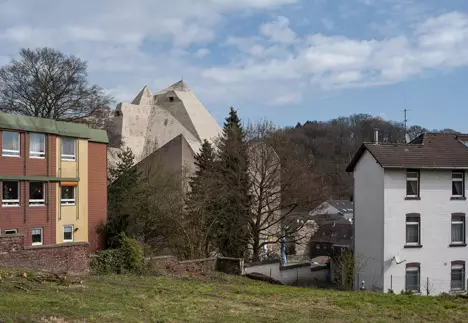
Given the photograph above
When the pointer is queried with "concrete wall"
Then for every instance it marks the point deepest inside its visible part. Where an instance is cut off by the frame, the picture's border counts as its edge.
(299, 274)
(435, 208)
(369, 220)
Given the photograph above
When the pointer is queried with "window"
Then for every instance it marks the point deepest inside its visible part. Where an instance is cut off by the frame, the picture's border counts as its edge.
(11, 231)
(68, 195)
(458, 183)
(457, 281)
(412, 183)
(68, 233)
(36, 193)
(413, 230)
(11, 144)
(36, 145)
(68, 149)
(458, 229)
(413, 277)
(10, 195)
(36, 236)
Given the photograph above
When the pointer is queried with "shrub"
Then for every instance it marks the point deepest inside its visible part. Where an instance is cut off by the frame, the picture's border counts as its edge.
(131, 252)
(107, 262)
(127, 258)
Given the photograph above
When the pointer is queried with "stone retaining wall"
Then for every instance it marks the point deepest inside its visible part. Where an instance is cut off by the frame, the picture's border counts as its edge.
(63, 258)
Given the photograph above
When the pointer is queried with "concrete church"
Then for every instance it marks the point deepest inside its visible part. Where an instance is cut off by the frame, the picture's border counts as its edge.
(165, 129)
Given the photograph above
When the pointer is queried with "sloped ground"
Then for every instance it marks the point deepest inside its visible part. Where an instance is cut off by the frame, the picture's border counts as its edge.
(215, 298)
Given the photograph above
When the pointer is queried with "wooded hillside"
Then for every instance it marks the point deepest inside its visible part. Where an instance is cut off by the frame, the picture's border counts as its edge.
(330, 145)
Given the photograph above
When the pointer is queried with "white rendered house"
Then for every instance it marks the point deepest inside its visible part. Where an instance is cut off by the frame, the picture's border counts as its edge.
(410, 214)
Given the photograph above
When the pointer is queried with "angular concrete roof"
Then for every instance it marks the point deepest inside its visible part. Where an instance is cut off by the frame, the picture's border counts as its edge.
(145, 97)
(192, 114)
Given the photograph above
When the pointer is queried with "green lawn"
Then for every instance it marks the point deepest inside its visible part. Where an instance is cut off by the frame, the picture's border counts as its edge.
(218, 298)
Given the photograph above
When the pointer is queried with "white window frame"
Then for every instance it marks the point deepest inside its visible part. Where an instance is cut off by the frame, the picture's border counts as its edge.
(37, 202)
(37, 154)
(413, 179)
(463, 228)
(72, 233)
(413, 220)
(13, 231)
(15, 202)
(462, 180)
(66, 157)
(68, 201)
(458, 267)
(42, 237)
(11, 152)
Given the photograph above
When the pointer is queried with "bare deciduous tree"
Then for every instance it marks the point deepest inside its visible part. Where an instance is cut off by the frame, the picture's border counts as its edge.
(49, 84)
(281, 182)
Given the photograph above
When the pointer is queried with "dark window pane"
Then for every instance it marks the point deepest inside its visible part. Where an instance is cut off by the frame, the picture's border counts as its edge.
(457, 188)
(36, 191)
(458, 279)
(68, 192)
(10, 190)
(412, 233)
(411, 188)
(412, 280)
(68, 233)
(36, 236)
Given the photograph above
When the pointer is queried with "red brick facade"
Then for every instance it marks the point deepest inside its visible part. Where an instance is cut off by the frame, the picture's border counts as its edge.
(25, 218)
(97, 193)
(25, 166)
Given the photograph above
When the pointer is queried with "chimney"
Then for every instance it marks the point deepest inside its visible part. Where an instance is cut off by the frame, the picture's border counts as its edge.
(376, 136)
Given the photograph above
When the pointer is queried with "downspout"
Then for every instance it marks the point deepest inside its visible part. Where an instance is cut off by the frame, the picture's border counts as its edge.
(77, 194)
(24, 173)
(47, 149)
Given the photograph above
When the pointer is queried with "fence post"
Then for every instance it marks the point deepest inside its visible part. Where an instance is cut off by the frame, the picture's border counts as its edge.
(427, 286)
(297, 276)
(358, 282)
(391, 282)
(270, 272)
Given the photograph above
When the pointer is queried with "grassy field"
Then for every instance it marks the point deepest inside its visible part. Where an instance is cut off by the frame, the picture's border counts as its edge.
(218, 298)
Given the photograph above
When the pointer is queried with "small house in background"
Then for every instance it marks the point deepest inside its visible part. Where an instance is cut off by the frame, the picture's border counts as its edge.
(345, 208)
(333, 231)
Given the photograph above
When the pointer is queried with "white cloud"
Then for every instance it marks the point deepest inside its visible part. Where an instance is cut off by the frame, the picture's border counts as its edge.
(336, 61)
(202, 52)
(279, 31)
(156, 42)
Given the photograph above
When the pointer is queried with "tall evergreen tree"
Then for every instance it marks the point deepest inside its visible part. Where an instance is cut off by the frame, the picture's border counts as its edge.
(126, 180)
(233, 190)
(200, 202)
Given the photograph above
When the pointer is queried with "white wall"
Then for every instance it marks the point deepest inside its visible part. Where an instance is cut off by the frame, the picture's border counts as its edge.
(290, 275)
(435, 208)
(369, 220)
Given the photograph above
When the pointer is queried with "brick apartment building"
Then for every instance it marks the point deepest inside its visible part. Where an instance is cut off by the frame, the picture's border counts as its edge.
(52, 180)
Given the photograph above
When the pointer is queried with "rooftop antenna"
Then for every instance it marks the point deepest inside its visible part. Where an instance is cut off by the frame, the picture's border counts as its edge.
(407, 138)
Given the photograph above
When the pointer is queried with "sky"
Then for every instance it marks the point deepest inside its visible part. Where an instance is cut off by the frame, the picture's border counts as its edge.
(287, 61)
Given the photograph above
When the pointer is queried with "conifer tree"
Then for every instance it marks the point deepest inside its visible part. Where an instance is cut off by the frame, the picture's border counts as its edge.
(126, 180)
(200, 202)
(232, 207)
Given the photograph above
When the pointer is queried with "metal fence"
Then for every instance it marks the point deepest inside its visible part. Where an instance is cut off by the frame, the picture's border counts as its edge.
(456, 283)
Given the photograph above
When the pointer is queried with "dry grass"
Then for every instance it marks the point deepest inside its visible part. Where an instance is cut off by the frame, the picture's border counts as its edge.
(217, 298)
